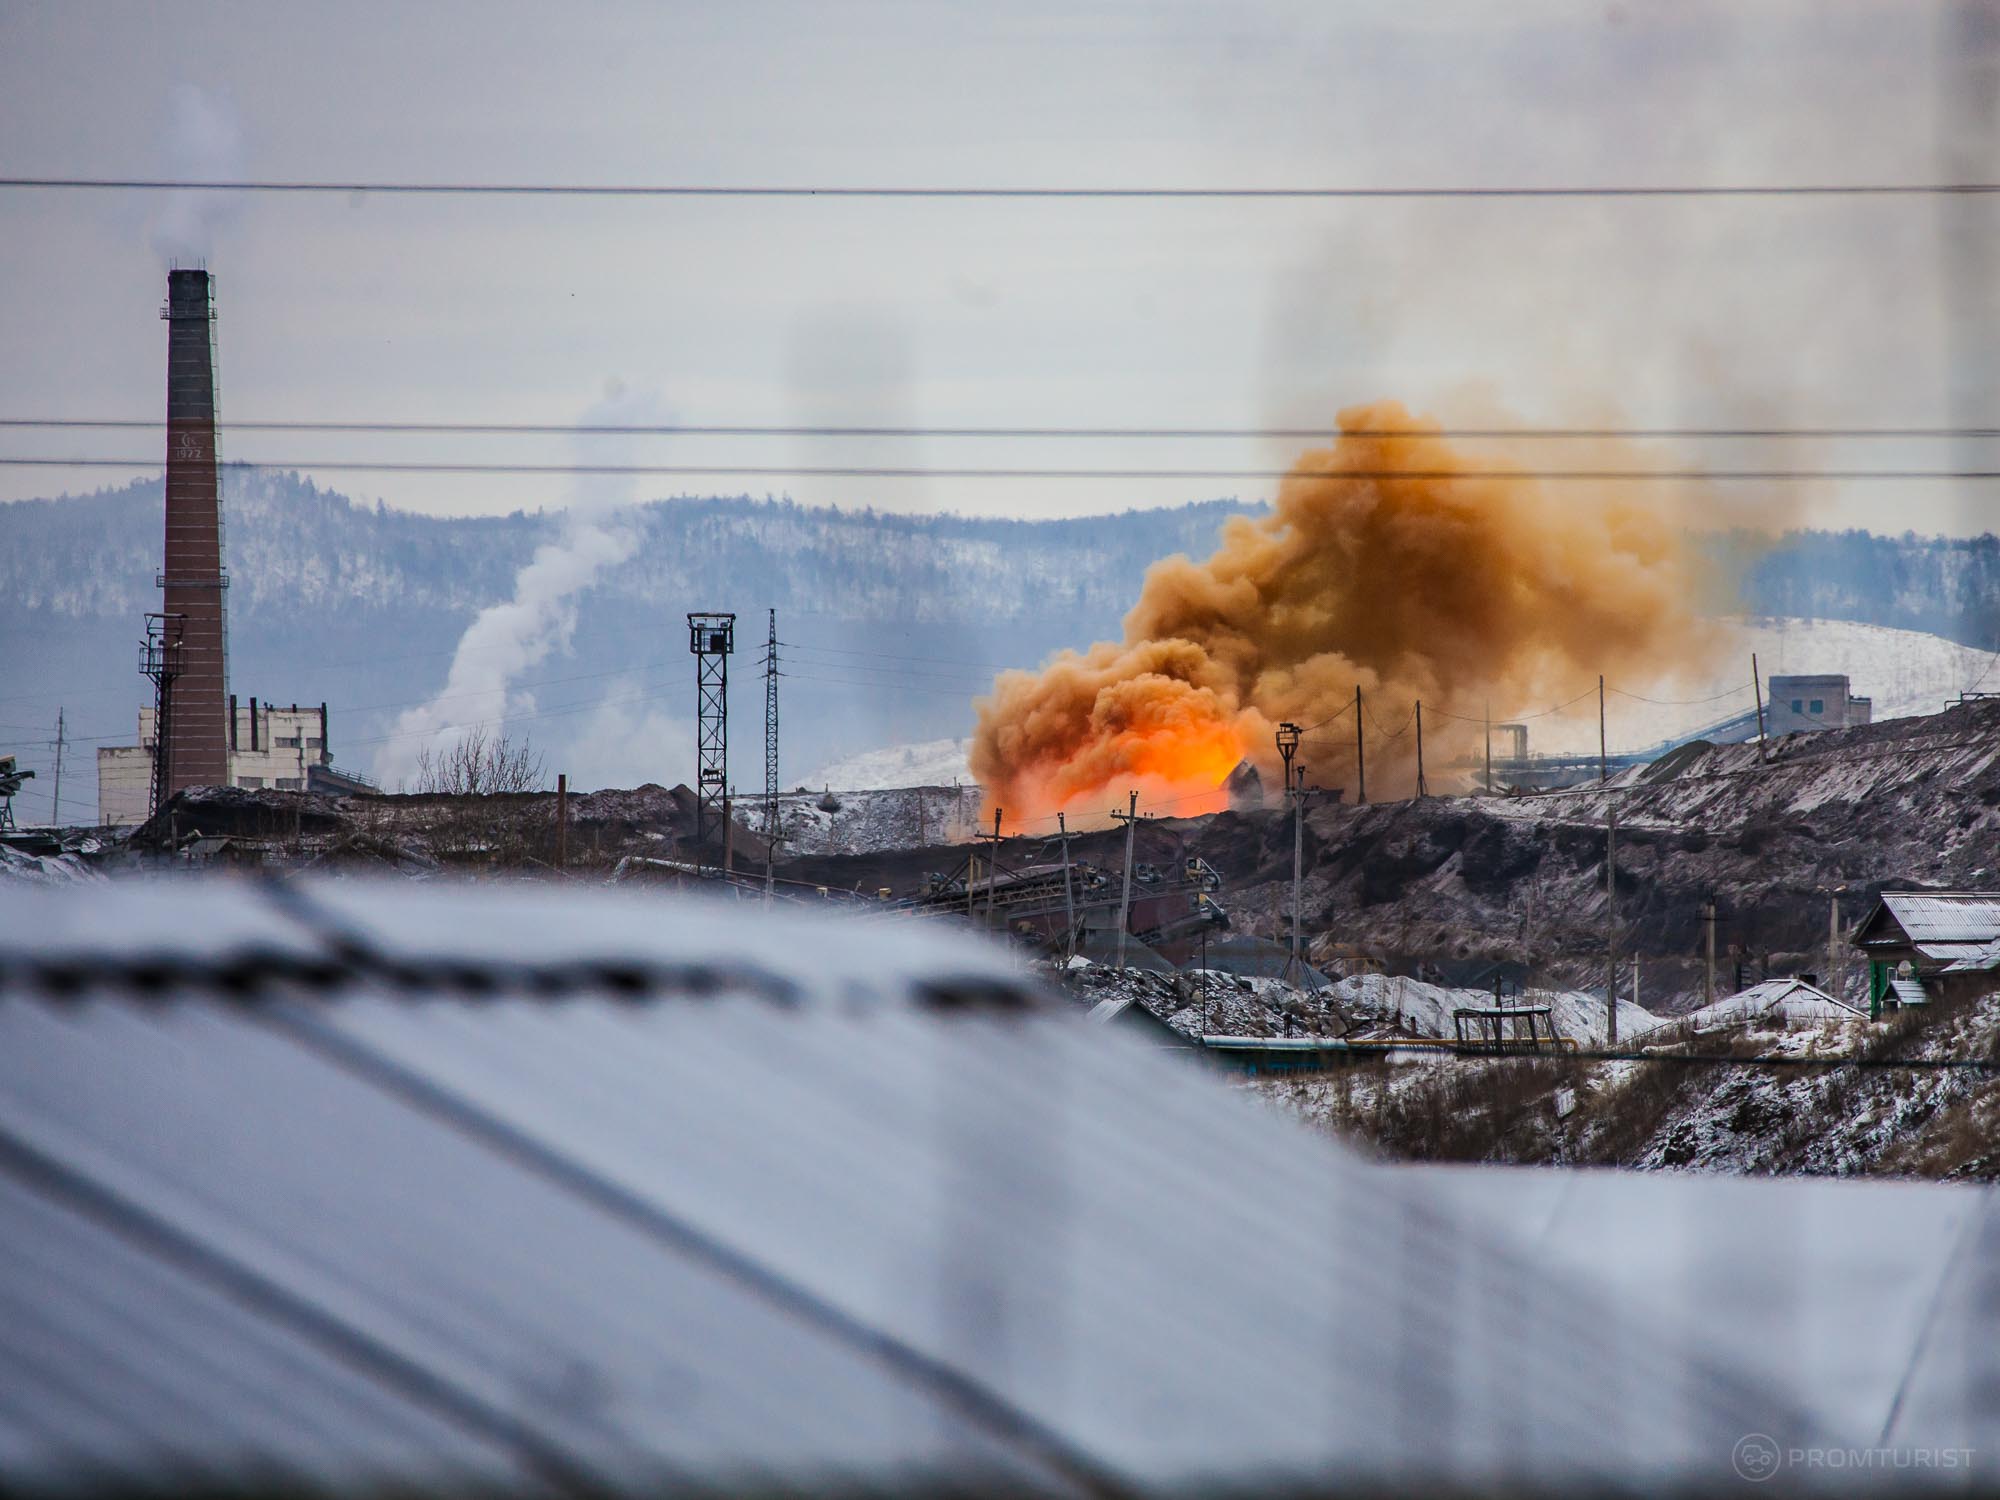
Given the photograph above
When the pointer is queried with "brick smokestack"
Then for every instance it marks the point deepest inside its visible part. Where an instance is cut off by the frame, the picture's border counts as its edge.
(193, 580)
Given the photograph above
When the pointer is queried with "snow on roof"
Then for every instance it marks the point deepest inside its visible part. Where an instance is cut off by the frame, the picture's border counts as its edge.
(1908, 992)
(613, 1238)
(1977, 958)
(1945, 916)
(1790, 1000)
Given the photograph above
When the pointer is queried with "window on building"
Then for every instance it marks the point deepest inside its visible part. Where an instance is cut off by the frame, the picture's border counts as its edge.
(1819, 705)
(1798, 705)
(313, 742)
(288, 783)
(286, 742)
(249, 781)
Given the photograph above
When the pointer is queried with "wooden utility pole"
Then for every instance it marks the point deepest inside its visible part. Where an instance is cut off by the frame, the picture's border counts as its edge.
(55, 814)
(1295, 965)
(1611, 927)
(1833, 948)
(1757, 691)
(1603, 759)
(1360, 757)
(1130, 818)
(728, 835)
(1422, 789)
(1489, 747)
(1069, 897)
(993, 875)
(562, 822)
(1708, 973)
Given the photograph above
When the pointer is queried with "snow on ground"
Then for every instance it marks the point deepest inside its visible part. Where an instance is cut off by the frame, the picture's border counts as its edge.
(1425, 1009)
(849, 822)
(47, 869)
(926, 763)
(1904, 671)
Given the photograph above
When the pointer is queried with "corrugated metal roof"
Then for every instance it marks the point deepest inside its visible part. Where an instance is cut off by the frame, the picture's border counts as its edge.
(1977, 959)
(659, 1234)
(1945, 916)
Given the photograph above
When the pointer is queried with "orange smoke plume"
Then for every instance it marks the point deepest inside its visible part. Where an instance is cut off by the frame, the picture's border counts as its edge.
(1390, 561)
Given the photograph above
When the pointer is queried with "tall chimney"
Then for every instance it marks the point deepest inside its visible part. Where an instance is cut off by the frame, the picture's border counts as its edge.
(193, 580)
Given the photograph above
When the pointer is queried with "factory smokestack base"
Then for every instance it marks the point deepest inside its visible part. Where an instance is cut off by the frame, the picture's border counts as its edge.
(196, 747)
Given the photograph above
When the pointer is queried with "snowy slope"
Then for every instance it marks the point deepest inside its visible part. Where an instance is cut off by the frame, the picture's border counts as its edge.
(928, 763)
(1905, 672)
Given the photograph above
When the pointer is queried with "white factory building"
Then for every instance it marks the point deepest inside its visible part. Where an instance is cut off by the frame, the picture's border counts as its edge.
(279, 748)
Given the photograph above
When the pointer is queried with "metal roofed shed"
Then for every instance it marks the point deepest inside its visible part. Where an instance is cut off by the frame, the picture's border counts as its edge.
(363, 1186)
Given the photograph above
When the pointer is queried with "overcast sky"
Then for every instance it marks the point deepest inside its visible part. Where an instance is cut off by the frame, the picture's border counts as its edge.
(1801, 312)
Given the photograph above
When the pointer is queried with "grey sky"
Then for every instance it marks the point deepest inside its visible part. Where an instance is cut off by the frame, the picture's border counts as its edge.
(1159, 314)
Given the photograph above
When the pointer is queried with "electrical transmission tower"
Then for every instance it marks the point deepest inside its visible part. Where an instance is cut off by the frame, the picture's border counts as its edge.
(711, 637)
(160, 659)
(771, 757)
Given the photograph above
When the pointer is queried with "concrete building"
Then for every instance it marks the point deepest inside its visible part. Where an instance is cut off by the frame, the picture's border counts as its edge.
(269, 748)
(1814, 702)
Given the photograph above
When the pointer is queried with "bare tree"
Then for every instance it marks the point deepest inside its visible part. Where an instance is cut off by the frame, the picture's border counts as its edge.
(480, 765)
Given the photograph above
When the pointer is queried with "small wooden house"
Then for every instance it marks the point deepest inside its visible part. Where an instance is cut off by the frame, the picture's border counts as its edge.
(1930, 945)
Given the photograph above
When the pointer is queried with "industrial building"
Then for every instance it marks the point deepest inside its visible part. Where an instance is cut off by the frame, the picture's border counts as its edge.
(286, 749)
(1821, 701)
(196, 733)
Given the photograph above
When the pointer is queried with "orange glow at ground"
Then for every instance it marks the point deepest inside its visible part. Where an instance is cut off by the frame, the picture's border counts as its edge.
(1177, 775)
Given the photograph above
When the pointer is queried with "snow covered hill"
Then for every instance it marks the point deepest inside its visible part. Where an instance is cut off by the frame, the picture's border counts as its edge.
(1905, 672)
(927, 763)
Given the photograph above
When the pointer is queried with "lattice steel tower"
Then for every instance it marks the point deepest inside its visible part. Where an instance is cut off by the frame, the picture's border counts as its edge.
(163, 659)
(711, 637)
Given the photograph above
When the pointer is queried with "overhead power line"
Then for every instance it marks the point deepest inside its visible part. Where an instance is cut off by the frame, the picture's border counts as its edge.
(932, 191)
(872, 471)
(1300, 434)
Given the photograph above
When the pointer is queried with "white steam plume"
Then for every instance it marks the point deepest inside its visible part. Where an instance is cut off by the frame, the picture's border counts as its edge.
(204, 144)
(505, 640)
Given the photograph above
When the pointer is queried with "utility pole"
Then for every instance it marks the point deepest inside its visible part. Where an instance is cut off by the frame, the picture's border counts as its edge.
(728, 832)
(1360, 761)
(1294, 965)
(1603, 759)
(993, 874)
(55, 815)
(1833, 946)
(1130, 818)
(1611, 927)
(1069, 897)
(1288, 746)
(1423, 790)
(1489, 747)
(1708, 973)
(771, 763)
(1757, 691)
(562, 822)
